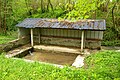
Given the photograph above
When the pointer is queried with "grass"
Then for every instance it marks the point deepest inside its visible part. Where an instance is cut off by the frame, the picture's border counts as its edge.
(104, 65)
(4, 38)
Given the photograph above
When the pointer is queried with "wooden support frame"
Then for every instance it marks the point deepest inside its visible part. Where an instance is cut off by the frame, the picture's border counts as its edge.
(39, 35)
(82, 41)
(18, 33)
(31, 31)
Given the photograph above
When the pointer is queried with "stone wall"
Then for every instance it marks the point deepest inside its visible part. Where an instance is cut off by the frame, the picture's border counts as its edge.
(91, 44)
(14, 44)
(63, 37)
(71, 42)
(66, 37)
(60, 41)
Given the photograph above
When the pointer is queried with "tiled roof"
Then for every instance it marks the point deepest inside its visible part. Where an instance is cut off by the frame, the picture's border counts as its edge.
(64, 24)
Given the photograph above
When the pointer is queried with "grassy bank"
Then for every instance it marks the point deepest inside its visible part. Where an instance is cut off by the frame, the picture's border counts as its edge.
(102, 66)
(4, 38)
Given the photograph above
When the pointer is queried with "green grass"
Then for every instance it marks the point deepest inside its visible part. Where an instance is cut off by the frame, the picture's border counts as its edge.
(4, 38)
(104, 65)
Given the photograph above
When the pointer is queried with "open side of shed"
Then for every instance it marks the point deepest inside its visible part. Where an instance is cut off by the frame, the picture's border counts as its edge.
(81, 33)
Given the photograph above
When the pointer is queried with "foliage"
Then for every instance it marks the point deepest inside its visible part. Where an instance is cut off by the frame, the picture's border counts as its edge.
(9, 37)
(103, 66)
(111, 43)
(14, 11)
(83, 9)
(56, 14)
(112, 20)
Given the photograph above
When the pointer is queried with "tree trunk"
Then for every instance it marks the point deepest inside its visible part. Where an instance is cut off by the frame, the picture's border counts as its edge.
(49, 3)
(106, 6)
(5, 12)
(113, 14)
(29, 11)
(42, 7)
(0, 16)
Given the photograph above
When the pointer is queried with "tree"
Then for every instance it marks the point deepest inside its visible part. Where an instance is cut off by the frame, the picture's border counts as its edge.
(42, 6)
(82, 9)
(49, 3)
(4, 18)
(0, 15)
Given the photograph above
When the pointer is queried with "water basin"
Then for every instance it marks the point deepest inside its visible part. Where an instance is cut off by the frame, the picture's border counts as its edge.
(52, 57)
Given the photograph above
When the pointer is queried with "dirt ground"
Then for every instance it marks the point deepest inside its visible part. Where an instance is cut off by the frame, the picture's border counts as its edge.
(56, 58)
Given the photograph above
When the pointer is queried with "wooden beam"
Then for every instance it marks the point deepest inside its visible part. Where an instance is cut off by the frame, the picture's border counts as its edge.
(82, 41)
(31, 31)
(18, 33)
(75, 38)
(39, 35)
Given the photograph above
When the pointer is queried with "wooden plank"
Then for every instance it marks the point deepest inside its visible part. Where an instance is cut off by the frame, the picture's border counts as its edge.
(31, 31)
(39, 35)
(92, 34)
(101, 35)
(97, 34)
(93, 39)
(82, 41)
(85, 35)
(18, 33)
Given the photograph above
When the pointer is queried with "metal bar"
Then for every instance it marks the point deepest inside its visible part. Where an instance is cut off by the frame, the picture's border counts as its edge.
(82, 41)
(31, 31)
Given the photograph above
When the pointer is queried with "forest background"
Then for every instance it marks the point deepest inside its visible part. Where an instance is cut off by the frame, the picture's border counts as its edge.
(14, 11)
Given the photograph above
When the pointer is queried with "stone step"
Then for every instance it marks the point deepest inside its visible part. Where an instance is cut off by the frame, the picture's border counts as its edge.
(18, 51)
(58, 49)
(79, 61)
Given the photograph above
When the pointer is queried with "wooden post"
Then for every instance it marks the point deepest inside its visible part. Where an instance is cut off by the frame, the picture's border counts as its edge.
(18, 33)
(39, 35)
(82, 41)
(31, 37)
